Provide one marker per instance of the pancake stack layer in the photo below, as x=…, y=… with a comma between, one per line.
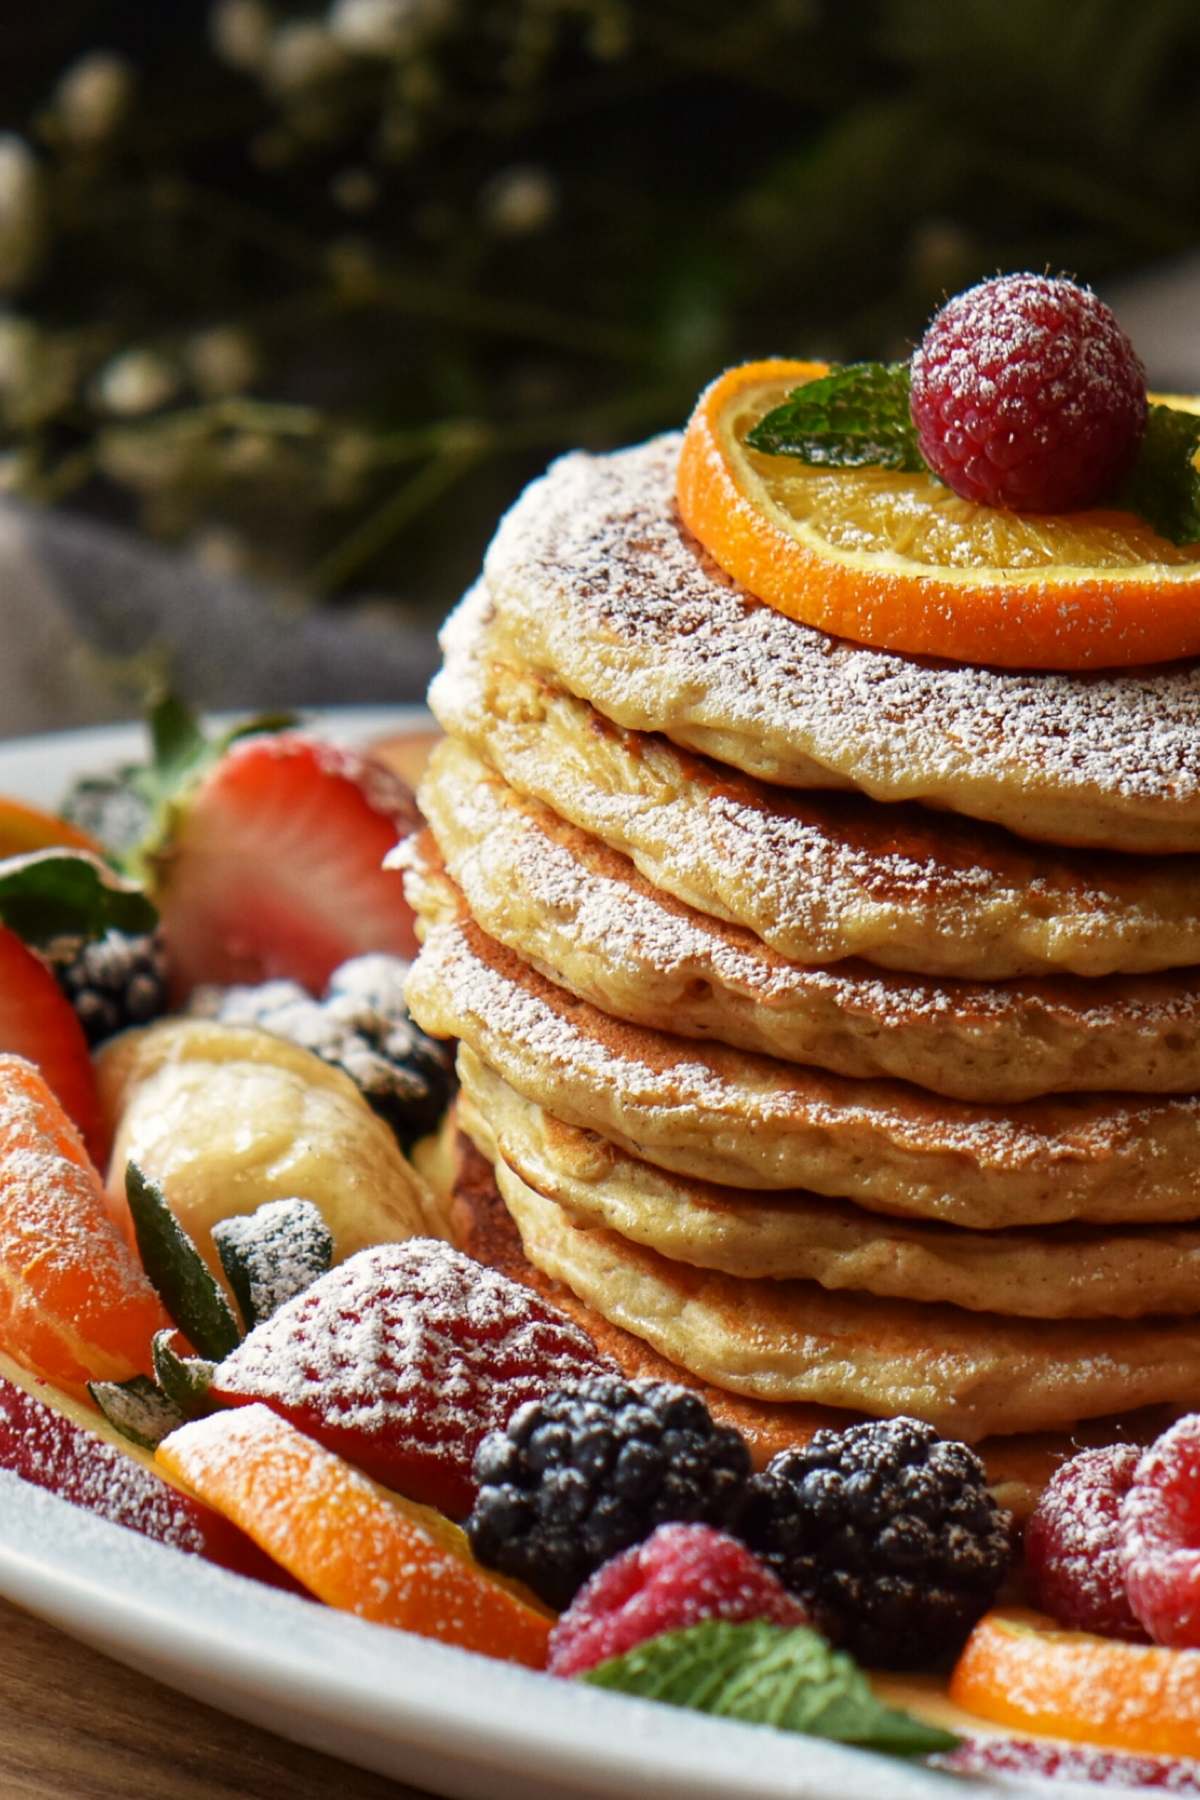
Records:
x=830, y=1018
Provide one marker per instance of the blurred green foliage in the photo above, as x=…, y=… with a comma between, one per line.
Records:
x=316, y=288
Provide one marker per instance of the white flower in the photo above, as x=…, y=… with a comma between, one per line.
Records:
x=240, y=32
x=135, y=382
x=93, y=97
x=519, y=200
x=22, y=212
x=386, y=27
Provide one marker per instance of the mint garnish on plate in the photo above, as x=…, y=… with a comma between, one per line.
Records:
x=858, y=416
x=767, y=1674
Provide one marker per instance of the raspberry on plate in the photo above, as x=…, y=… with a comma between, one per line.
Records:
x=1160, y=1537
x=402, y=1360
x=680, y=1576
x=1027, y=394
x=1072, y=1544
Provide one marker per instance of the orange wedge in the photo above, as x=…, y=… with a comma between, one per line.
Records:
x=26, y=828
x=75, y=1306
x=354, y=1545
x=901, y=562
x=1019, y=1670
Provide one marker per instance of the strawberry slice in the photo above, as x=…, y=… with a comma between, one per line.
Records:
x=271, y=867
x=38, y=1022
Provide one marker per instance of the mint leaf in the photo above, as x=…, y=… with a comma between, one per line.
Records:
x=855, y=416
x=176, y=1268
x=1164, y=483
x=68, y=894
x=767, y=1674
x=137, y=1409
x=184, y=1380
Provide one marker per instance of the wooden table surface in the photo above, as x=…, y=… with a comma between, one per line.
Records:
x=76, y=1726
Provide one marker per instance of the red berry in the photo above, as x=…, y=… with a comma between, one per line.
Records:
x=1160, y=1537
x=1027, y=1759
x=403, y=1359
x=680, y=1576
x=1026, y=393
x=1072, y=1544
x=38, y=1022
x=272, y=867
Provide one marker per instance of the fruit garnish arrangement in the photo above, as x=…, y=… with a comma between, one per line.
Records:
x=806, y=884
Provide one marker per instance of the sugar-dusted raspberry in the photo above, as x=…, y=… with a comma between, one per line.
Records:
x=1071, y=1544
x=403, y=1359
x=1160, y=1537
x=1027, y=394
x=680, y=1576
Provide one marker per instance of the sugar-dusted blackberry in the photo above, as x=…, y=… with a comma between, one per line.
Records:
x=594, y=1467
x=362, y=1026
x=113, y=982
x=887, y=1533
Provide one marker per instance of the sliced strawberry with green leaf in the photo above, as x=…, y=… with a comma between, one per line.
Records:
x=38, y=1022
x=270, y=865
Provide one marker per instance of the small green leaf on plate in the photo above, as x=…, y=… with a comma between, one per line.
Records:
x=138, y=1409
x=1164, y=483
x=767, y=1674
x=53, y=894
x=185, y=1380
x=854, y=417
x=176, y=1268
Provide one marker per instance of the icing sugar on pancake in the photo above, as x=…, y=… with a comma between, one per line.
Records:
x=722, y=1115
x=599, y=584
x=584, y=916
x=1068, y=1272
x=819, y=877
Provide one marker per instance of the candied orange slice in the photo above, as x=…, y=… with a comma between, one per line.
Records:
x=899, y=561
x=1018, y=1669
x=24, y=829
x=75, y=1305
x=354, y=1545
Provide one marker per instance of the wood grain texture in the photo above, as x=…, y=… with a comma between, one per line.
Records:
x=76, y=1726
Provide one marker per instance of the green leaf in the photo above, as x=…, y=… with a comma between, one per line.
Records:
x=853, y=417
x=137, y=1409
x=177, y=1270
x=185, y=1380
x=69, y=893
x=768, y=1674
x=271, y=1255
x=1164, y=484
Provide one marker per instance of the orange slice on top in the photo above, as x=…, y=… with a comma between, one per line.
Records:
x=900, y=562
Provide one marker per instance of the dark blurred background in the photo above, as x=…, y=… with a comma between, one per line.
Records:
x=308, y=292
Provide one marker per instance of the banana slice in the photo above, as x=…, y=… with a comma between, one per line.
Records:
x=226, y=1117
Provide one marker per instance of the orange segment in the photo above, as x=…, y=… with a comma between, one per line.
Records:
x=1019, y=1670
x=901, y=562
x=354, y=1545
x=74, y=1304
x=26, y=828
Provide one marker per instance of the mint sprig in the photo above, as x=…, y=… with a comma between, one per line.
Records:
x=178, y=1271
x=858, y=416
x=767, y=1674
x=51, y=894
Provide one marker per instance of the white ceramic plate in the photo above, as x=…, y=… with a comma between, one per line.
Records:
x=424, y=1713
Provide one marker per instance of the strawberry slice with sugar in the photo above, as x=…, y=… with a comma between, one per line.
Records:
x=38, y=1022
x=403, y=1359
x=271, y=867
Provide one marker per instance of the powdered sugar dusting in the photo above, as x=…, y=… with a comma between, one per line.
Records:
x=598, y=581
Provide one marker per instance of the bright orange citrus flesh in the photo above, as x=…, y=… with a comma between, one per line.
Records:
x=75, y=1306
x=900, y=562
x=1019, y=1670
x=26, y=828
x=354, y=1545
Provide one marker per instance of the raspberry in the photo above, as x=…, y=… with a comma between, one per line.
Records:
x=1026, y=393
x=403, y=1359
x=1072, y=1544
x=1160, y=1537
x=680, y=1576
x=888, y=1534
x=592, y=1469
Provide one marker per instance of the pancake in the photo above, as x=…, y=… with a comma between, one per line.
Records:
x=584, y=916
x=1061, y=1273
x=478, y=1222
x=601, y=586
x=968, y=1374
x=818, y=877
x=724, y=1116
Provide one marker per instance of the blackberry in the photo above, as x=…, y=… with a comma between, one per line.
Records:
x=363, y=1027
x=114, y=982
x=887, y=1533
x=593, y=1468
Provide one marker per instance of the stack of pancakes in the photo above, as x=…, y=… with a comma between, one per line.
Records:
x=830, y=1017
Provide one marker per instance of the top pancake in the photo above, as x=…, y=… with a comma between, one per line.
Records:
x=598, y=583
